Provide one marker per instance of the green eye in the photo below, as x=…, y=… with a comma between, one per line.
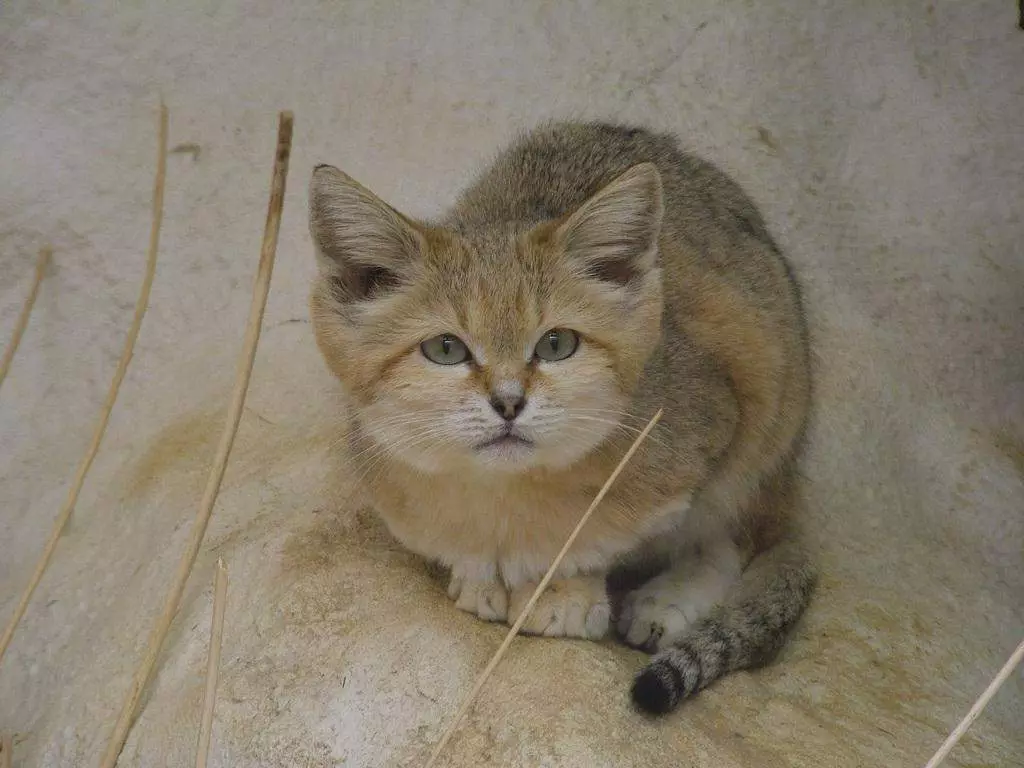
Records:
x=557, y=344
x=445, y=350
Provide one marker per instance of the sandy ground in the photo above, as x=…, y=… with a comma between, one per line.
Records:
x=882, y=141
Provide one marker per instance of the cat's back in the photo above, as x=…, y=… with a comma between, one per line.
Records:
x=553, y=169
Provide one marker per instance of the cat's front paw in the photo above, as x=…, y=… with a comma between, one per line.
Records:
x=575, y=607
x=486, y=599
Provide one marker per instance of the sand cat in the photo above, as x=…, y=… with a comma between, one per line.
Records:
x=501, y=359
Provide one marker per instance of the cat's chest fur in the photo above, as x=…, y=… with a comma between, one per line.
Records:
x=513, y=525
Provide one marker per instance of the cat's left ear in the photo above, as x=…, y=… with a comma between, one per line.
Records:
x=614, y=234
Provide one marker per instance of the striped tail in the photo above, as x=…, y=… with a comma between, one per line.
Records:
x=745, y=631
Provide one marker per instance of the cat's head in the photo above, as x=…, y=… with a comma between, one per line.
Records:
x=504, y=347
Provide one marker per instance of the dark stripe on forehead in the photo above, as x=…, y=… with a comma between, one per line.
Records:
x=459, y=305
x=523, y=300
x=534, y=260
x=491, y=281
x=498, y=305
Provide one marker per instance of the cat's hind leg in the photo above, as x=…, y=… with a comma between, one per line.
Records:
x=743, y=632
x=658, y=613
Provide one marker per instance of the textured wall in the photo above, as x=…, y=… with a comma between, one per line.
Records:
x=882, y=141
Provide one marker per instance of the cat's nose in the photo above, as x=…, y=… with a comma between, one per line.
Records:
x=508, y=404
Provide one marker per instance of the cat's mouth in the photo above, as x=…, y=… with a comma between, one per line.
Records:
x=505, y=440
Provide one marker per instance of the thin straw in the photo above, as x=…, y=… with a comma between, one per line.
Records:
x=234, y=415
x=26, y=309
x=496, y=658
x=220, y=593
x=979, y=705
x=122, y=368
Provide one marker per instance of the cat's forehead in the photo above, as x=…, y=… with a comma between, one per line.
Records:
x=494, y=284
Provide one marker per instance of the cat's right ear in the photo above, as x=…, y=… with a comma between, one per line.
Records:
x=365, y=246
x=613, y=236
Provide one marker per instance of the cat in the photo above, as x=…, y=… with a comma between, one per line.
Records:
x=500, y=360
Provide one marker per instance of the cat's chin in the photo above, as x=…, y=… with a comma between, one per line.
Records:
x=507, y=453
x=520, y=458
x=503, y=457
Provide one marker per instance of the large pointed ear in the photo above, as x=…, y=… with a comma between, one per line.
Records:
x=366, y=247
x=613, y=236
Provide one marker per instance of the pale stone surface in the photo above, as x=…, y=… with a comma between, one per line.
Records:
x=883, y=142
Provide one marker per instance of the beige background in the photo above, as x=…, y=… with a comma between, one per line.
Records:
x=883, y=141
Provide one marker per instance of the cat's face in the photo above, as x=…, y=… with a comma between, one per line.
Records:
x=501, y=349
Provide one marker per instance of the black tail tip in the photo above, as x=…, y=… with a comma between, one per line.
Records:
x=653, y=692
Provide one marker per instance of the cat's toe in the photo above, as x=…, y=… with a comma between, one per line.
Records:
x=651, y=621
x=455, y=587
x=492, y=603
x=644, y=636
x=624, y=617
x=598, y=621
x=486, y=599
x=569, y=608
x=639, y=623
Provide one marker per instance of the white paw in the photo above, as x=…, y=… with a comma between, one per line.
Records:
x=486, y=599
x=576, y=607
x=653, y=616
x=660, y=612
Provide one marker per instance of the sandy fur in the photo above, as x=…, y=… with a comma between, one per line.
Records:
x=681, y=301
